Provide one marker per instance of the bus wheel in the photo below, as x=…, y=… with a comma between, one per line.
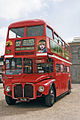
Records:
x=69, y=88
x=50, y=98
x=9, y=100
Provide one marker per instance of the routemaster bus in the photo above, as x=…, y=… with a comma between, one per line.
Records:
x=37, y=63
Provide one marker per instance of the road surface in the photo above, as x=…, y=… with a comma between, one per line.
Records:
x=66, y=108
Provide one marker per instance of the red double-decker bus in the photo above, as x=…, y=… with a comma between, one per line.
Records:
x=37, y=63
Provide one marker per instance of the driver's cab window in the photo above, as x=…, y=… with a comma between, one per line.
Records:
x=27, y=66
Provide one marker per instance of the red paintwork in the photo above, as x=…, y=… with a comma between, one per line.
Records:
x=27, y=23
x=61, y=79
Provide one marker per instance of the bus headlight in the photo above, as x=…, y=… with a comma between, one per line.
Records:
x=7, y=89
x=41, y=88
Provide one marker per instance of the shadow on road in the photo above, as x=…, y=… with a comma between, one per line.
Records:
x=21, y=107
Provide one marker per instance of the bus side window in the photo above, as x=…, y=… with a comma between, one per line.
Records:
x=63, y=44
x=65, y=69
x=45, y=67
x=61, y=68
x=55, y=37
x=7, y=64
x=51, y=67
x=60, y=41
x=68, y=69
x=50, y=63
x=49, y=32
x=66, y=47
x=57, y=68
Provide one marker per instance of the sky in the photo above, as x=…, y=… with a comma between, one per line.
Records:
x=62, y=15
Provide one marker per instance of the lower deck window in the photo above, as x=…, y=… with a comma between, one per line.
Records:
x=68, y=69
x=44, y=67
x=13, y=66
x=61, y=68
x=27, y=66
x=57, y=68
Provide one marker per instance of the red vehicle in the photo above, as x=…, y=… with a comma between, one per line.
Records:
x=36, y=63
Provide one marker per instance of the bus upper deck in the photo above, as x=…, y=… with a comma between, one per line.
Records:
x=35, y=38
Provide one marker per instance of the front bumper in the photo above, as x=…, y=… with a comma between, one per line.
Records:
x=28, y=91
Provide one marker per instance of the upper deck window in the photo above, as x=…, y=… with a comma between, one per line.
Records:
x=49, y=32
x=35, y=30
x=66, y=46
x=16, y=32
x=56, y=37
x=60, y=41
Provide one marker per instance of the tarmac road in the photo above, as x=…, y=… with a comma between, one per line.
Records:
x=66, y=108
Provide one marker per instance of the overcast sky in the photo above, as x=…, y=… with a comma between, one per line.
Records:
x=63, y=15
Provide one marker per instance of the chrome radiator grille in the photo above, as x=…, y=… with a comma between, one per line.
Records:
x=27, y=91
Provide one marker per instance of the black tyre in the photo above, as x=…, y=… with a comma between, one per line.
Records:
x=69, y=88
x=9, y=100
x=50, y=98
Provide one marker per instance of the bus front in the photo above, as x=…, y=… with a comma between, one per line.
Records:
x=27, y=66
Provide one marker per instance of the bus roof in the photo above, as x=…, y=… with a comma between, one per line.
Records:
x=32, y=22
x=27, y=22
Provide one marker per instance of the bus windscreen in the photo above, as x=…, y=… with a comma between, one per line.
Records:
x=16, y=32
